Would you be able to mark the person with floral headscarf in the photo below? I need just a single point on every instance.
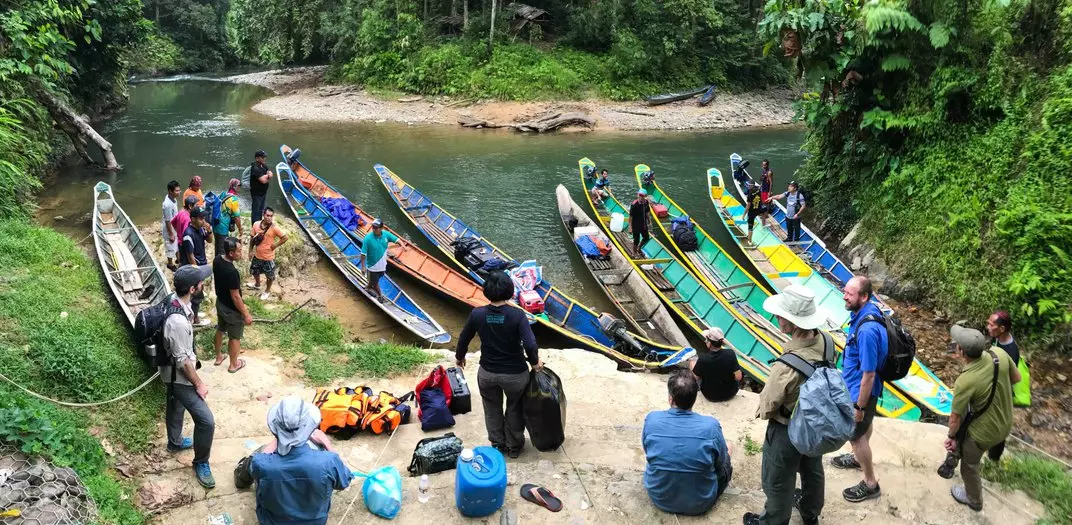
(230, 219)
(195, 191)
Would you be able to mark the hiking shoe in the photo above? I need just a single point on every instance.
(252, 286)
(961, 496)
(846, 461)
(187, 444)
(265, 296)
(861, 492)
(751, 518)
(514, 453)
(204, 475)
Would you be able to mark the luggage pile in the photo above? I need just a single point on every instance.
(347, 411)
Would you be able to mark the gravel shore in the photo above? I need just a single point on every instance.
(302, 95)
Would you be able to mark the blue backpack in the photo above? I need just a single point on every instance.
(435, 414)
(212, 208)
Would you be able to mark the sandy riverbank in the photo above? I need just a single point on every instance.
(301, 95)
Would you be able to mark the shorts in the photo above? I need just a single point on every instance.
(374, 279)
(869, 416)
(766, 206)
(229, 321)
(171, 248)
(752, 214)
(265, 268)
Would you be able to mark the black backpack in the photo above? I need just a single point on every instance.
(901, 350)
(685, 238)
(149, 330)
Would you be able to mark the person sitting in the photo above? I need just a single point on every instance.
(688, 461)
(717, 368)
(601, 189)
(297, 471)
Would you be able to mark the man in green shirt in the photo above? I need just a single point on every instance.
(970, 394)
(374, 256)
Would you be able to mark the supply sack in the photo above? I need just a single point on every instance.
(382, 491)
(434, 410)
(545, 410)
(823, 420)
(436, 454)
(1021, 392)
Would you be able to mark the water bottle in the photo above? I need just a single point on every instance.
(423, 494)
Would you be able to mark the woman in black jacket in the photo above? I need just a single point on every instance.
(507, 348)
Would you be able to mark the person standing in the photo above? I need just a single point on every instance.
(794, 206)
(186, 392)
(798, 317)
(754, 207)
(507, 349)
(181, 221)
(265, 239)
(230, 217)
(170, 208)
(374, 256)
(865, 352)
(195, 191)
(231, 313)
(639, 216)
(717, 368)
(999, 327)
(259, 176)
(192, 252)
(766, 184)
(984, 389)
(688, 462)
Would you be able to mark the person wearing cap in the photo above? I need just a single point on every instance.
(180, 221)
(799, 317)
(717, 368)
(601, 188)
(794, 206)
(971, 393)
(688, 462)
(865, 351)
(259, 176)
(297, 472)
(374, 255)
(639, 216)
(170, 208)
(230, 217)
(265, 239)
(195, 191)
(186, 392)
(192, 252)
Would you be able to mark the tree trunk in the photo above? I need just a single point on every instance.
(491, 34)
(465, 15)
(76, 126)
(453, 8)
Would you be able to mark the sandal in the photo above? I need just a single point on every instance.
(541, 496)
(861, 492)
(219, 360)
(241, 365)
(846, 461)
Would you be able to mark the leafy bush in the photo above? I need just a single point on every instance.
(157, 54)
(521, 72)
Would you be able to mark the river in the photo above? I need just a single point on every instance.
(500, 182)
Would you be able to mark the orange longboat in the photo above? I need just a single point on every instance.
(408, 258)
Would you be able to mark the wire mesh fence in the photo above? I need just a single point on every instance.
(36, 492)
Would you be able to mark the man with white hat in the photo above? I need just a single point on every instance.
(717, 368)
(295, 480)
(981, 416)
(799, 317)
(374, 256)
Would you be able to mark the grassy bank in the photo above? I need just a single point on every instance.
(62, 336)
(1045, 480)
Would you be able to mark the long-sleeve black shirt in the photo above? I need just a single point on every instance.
(505, 339)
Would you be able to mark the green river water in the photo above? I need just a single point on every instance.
(500, 182)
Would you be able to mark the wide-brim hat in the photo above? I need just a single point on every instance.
(796, 304)
(292, 420)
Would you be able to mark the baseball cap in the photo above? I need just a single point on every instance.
(190, 200)
(376, 223)
(970, 340)
(260, 153)
(197, 212)
(641, 191)
(714, 334)
(188, 276)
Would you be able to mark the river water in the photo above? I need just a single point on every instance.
(500, 182)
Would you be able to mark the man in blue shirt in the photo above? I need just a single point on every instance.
(294, 480)
(374, 255)
(865, 352)
(688, 462)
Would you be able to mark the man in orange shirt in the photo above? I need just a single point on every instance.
(265, 240)
(195, 190)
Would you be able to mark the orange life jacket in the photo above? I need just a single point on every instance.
(342, 409)
(384, 412)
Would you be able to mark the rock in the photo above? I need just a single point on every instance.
(52, 490)
(1039, 419)
(856, 264)
(1061, 378)
(869, 258)
(847, 241)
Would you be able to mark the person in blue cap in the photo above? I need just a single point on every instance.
(639, 215)
(374, 256)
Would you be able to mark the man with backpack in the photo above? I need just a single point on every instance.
(229, 219)
(186, 392)
(865, 354)
(981, 416)
(794, 206)
(259, 177)
(799, 317)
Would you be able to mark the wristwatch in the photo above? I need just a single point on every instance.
(857, 407)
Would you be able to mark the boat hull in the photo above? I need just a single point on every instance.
(658, 100)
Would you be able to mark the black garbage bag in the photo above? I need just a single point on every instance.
(545, 410)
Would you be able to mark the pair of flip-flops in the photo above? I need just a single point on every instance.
(541, 496)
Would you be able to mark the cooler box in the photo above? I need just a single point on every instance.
(531, 301)
(582, 231)
(460, 400)
(480, 483)
(660, 210)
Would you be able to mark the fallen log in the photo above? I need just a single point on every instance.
(75, 126)
(417, 98)
(633, 112)
(541, 124)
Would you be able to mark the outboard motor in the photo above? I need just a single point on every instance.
(647, 177)
(738, 171)
(467, 252)
(619, 332)
(294, 155)
(589, 172)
